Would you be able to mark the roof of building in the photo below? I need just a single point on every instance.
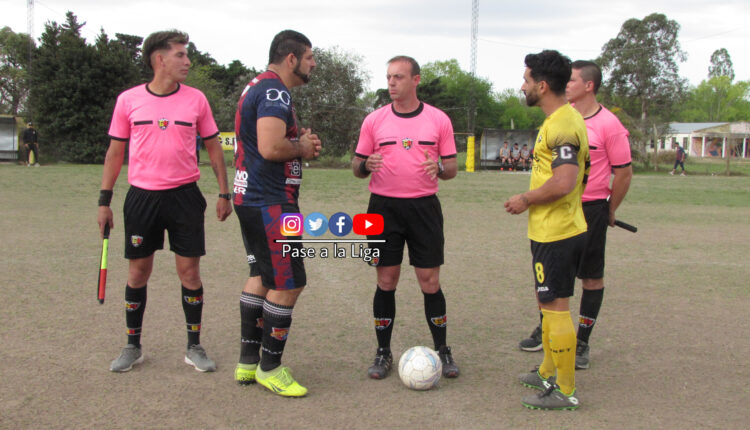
(690, 127)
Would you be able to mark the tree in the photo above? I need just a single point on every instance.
(221, 85)
(74, 86)
(14, 62)
(329, 102)
(721, 65)
(642, 64)
(718, 100)
(452, 92)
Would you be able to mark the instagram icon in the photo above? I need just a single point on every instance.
(291, 224)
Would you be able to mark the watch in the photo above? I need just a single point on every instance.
(227, 196)
(441, 169)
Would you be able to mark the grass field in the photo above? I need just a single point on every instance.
(669, 349)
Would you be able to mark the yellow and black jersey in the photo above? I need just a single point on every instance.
(562, 139)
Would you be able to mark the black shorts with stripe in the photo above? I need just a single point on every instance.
(597, 218)
(178, 210)
(261, 228)
(418, 222)
(554, 265)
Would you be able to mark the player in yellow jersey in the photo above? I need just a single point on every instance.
(556, 225)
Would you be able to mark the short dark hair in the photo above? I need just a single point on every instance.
(288, 42)
(552, 67)
(590, 72)
(415, 70)
(162, 40)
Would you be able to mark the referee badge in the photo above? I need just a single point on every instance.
(407, 143)
(163, 123)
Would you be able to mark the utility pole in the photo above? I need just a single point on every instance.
(473, 66)
(30, 29)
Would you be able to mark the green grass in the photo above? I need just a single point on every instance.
(670, 288)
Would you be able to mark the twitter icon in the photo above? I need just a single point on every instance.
(316, 224)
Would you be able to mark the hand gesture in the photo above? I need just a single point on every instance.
(310, 144)
(374, 162)
(430, 166)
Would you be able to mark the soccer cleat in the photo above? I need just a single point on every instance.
(130, 356)
(196, 357)
(582, 355)
(382, 365)
(683, 174)
(244, 374)
(534, 380)
(450, 368)
(551, 399)
(534, 342)
(280, 381)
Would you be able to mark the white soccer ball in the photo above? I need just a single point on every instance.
(420, 368)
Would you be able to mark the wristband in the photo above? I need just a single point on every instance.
(227, 196)
(363, 168)
(105, 197)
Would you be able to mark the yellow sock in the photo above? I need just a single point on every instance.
(547, 368)
(562, 345)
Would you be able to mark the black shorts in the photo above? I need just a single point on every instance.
(178, 210)
(554, 265)
(260, 229)
(597, 218)
(417, 222)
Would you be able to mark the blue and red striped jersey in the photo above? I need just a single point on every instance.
(257, 181)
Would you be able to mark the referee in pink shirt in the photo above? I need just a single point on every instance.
(158, 122)
(610, 156)
(406, 146)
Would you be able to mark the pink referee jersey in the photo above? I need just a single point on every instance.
(402, 139)
(609, 147)
(162, 131)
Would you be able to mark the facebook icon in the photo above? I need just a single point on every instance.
(340, 224)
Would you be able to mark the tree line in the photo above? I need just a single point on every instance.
(69, 88)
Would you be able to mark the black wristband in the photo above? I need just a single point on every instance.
(227, 196)
(363, 168)
(105, 197)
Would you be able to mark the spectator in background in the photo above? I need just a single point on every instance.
(679, 159)
(30, 138)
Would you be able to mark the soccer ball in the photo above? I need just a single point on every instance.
(420, 368)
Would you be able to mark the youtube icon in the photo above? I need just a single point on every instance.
(368, 224)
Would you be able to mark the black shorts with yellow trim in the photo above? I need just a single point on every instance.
(555, 265)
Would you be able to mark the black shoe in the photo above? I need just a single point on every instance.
(382, 365)
(450, 368)
(534, 342)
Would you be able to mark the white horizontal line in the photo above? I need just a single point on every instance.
(329, 241)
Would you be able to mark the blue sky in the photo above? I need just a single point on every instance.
(428, 30)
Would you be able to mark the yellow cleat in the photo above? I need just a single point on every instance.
(244, 374)
(280, 381)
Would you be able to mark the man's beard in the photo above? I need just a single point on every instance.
(305, 77)
(531, 99)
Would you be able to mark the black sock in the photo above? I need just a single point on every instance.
(384, 311)
(276, 322)
(192, 304)
(251, 317)
(135, 304)
(591, 301)
(434, 310)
